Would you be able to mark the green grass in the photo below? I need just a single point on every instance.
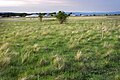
(81, 49)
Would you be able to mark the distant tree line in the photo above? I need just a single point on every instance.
(50, 14)
(13, 14)
(105, 15)
(61, 16)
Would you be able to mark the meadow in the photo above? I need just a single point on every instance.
(83, 48)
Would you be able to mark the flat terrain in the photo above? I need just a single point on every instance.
(84, 48)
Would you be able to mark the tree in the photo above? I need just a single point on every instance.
(52, 14)
(22, 14)
(62, 17)
(70, 14)
(41, 16)
(106, 14)
(94, 14)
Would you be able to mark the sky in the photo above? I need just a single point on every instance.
(57, 5)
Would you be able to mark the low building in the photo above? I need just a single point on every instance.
(15, 16)
(32, 16)
(72, 15)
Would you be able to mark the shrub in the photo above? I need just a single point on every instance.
(62, 17)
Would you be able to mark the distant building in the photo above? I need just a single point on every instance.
(72, 15)
(15, 16)
(47, 15)
(32, 16)
(82, 15)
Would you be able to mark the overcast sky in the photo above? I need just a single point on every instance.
(56, 5)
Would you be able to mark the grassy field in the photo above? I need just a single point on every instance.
(84, 48)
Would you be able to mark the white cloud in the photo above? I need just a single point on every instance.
(36, 5)
(55, 5)
(4, 3)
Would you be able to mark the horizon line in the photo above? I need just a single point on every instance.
(57, 11)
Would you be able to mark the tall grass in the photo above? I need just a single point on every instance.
(81, 49)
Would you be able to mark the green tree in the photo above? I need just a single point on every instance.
(62, 17)
(52, 14)
(41, 16)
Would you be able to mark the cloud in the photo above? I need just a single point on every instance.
(55, 5)
(4, 3)
(34, 5)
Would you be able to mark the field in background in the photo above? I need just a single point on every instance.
(85, 48)
(71, 18)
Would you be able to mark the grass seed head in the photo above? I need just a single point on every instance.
(43, 62)
(36, 47)
(25, 57)
(27, 77)
(4, 61)
(78, 55)
(45, 33)
(58, 61)
(60, 77)
(5, 46)
(117, 77)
